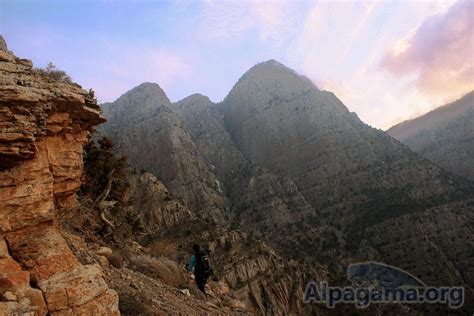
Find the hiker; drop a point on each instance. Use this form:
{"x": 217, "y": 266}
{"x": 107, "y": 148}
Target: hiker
{"x": 201, "y": 263}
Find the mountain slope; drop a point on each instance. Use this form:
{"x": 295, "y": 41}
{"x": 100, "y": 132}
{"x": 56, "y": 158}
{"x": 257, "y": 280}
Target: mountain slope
{"x": 145, "y": 128}
{"x": 444, "y": 136}
{"x": 260, "y": 201}
{"x": 142, "y": 122}
{"x": 362, "y": 181}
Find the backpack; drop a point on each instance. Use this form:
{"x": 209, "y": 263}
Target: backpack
{"x": 203, "y": 263}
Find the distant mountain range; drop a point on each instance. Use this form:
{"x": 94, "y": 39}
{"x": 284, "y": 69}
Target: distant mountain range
{"x": 444, "y": 135}
{"x": 288, "y": 163}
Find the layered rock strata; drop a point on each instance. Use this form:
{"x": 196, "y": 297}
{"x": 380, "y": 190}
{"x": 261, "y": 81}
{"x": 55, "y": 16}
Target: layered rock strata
{"x": 44, "y": 125}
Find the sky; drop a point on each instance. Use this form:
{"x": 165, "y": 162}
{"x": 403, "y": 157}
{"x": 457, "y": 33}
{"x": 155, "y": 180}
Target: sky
{"x": 388, "y": 61}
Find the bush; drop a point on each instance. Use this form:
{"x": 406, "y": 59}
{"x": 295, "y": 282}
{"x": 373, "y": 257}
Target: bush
{"x": 134, "y": 305}
{"x": 158, "y": 268}
{"x": 116, "y": 260}
{"x": 53, "y": 73}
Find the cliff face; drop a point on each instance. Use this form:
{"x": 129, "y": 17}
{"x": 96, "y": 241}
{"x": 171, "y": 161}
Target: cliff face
{"x": 254, "y": 272}
{"x": 44, "y": 125}
{"x": 269, "y": 205}
{"x": 444, "y": 136}
{"x": 156, "y": 205}
{"x": 145, "y": 128}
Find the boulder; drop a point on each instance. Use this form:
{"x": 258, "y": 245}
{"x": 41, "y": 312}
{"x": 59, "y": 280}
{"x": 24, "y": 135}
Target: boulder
{"x": 104, "y": 252}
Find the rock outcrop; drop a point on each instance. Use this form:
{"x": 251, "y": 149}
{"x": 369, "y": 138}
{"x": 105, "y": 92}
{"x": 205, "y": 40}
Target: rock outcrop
{"x": 155, "y": 204}
{"x": 444, "y": 136}
{"x": 44, "y": 124}
{"x": 255, "y": 273}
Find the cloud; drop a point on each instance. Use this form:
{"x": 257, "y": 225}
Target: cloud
{"x": 440, "y": 52}
{"x": 357, "y": 30}
{"x": 271, "y": 20}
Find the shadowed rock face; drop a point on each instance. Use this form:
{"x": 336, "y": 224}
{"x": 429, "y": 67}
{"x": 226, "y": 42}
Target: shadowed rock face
{"x": 145, "y": 128}
{"x": 444, "y": 136}
{"x": 262, "y": 202}
{"x": 44, "y": 126}
{"x": 158, "y": 208}
{"x": 309, "y": 136}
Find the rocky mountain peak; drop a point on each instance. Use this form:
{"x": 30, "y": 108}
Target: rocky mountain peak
{"x": 196, "y": 99}
{"x": 438, "y": 117}
{"x": 144, "y": 98}
{"x": 273, "y": 77}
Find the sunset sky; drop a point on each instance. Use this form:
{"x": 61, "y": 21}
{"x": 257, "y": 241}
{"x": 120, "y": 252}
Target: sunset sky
{"x": 387, "y": 61}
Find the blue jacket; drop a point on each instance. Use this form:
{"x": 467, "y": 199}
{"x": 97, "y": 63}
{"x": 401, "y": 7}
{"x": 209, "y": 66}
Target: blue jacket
{"x": 192, "y": 263}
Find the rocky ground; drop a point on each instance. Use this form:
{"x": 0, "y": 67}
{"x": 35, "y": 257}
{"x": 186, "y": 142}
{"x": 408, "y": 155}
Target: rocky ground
{"x": 141, "y": 294}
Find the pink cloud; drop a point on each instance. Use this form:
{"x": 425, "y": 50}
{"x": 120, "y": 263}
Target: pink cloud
{"x": 440, "y": 52}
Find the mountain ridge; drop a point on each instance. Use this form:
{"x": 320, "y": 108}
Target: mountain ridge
{"x": 296, "y": 168}
{"x": 444, "y": 135}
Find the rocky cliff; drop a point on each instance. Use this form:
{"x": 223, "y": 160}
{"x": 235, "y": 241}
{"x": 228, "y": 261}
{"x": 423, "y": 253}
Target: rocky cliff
{"x": 444, "y": 136}
{"x": 44, "y": 124}
{"x": 187, "y": 199}
{"x": 261, "y": 201}
{"x": 254, "y": 272}
{"x": 151, "y": 135}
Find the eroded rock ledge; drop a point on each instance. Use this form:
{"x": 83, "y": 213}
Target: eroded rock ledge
{"x": 44, "y": 125}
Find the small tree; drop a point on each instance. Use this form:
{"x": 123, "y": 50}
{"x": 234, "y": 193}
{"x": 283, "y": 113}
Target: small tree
{"x": 99, "y": 161}
{"x": 106, "y": 179}
{"x": 91, "y": 95}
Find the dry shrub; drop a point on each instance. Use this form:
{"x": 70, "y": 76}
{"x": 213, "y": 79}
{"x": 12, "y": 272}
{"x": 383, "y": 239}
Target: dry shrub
{"x": 116, "y": 260}
{"x": 81, "y": 218}
{"x": 159, "y": 268}
{"x": 134, "y": 306}
{"x": 53, "y": 73}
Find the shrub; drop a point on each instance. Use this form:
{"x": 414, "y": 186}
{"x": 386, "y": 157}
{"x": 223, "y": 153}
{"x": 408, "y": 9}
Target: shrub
{"x": 135, "y": 305}
{"x": 115, "y": 260}
{"x": 159, "y": 268}
{"x": 53, "y": 73}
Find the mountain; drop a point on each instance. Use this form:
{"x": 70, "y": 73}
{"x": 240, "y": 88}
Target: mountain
{"x": 444, "y": 136}
{"x": 146, "y": 129}
{"x": 186, "y": 202}
{"x": 261, "y": 201}
{"x": 359, "y": 180}
{"x": 296, "y": 169}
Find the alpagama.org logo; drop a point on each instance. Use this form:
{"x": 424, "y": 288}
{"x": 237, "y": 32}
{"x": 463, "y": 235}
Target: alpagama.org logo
{"x": 375, "y": 282}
